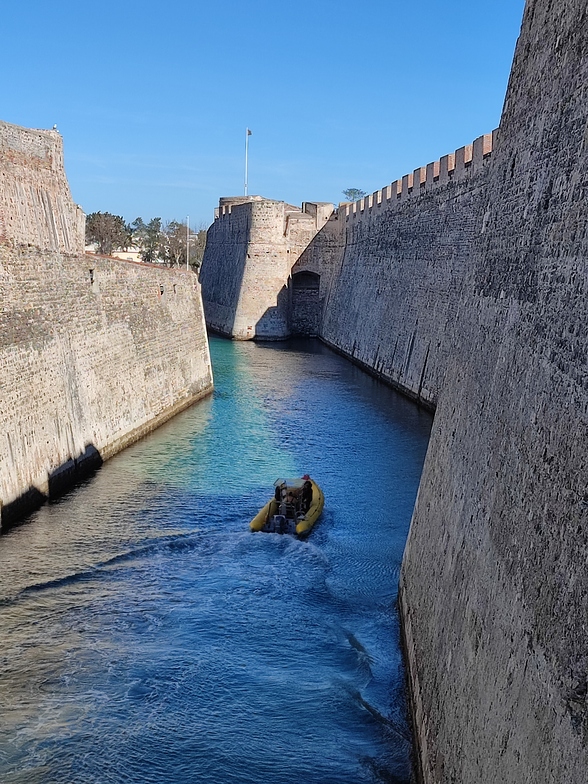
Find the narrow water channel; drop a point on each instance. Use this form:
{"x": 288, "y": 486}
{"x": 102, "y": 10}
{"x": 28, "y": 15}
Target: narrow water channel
{"x": 147, "y": 636}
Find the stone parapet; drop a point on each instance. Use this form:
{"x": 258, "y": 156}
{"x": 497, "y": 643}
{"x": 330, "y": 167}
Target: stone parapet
{"x": 464, "y": 163}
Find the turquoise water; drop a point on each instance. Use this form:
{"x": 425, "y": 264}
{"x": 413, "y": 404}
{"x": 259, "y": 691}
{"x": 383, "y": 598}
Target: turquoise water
{"x": 148, "y": 636}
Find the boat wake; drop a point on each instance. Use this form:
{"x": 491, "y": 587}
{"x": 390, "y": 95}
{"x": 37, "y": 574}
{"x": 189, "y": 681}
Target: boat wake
{"x": 183, "y": 541}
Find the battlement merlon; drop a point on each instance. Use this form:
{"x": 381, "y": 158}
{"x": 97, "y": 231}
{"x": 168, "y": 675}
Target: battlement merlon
{"x": 463, "y": 162}
{"x": 36, "y": 207}
{"x": 315, "y": 213}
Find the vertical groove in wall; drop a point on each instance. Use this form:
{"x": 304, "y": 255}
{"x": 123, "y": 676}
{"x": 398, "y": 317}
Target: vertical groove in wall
{"x": 36, "y": 207}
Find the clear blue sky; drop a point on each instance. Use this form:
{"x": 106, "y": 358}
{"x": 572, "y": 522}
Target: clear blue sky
{"x": 153, "y": 99}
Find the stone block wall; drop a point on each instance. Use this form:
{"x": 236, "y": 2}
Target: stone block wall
{"x": 406, "y": 253}
{"x": 250, "y": 251}
{"x": 494, "y": 582}
{"x": 94, "y": 353}
{"x": 36, "y": 207}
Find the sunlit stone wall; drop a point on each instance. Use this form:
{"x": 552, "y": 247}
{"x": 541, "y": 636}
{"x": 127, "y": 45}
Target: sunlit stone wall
{"x": 250, "y": 251}
{"x": 94, "y": 353}
{"x": 36, "y": 207}
{"x": 494, "y": 582}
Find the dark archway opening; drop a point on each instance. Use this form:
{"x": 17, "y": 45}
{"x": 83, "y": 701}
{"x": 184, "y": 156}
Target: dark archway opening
{"x": 306, "y": 304}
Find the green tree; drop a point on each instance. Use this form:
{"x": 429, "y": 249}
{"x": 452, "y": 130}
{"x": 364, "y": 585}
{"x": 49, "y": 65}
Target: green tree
{"x": 173, "y": 243}
{"x": 354, "y": 194}
{"x": 109, "y": 232}
{"x": 148, "y": 237}
{"x": 197, "y": 246}
{"x": 175, "y": 237}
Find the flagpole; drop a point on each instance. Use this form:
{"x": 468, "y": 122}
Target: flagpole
{"x": 247, "y": 135}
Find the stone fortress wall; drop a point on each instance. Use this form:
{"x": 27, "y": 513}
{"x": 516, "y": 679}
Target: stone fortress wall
{"x": 494, "y": 581}
{"x": 94, "y": 352}
{"x": 405, "y": 254}
{"x": 36, "y": 207}
{"x": 250, "y": 251}
{"x": 470, "y": 293}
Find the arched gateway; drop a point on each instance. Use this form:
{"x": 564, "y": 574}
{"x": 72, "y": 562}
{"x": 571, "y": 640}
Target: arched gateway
{"x": 306, "y": 303}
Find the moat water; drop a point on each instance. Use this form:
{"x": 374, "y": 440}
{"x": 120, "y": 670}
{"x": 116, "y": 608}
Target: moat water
{"x": 147, "y": 636}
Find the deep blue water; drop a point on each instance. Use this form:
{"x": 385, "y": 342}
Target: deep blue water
{"x": 147, "y": 636}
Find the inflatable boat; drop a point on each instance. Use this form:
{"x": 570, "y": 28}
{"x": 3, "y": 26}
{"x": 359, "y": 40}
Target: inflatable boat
{"x": 296, "y": 506}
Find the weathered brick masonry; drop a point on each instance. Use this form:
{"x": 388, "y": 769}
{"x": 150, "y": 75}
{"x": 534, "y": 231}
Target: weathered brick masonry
{"x": 94, "y": 352}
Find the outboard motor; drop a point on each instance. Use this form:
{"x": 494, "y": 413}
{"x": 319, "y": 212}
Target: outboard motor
{"x": 277, "y": 524}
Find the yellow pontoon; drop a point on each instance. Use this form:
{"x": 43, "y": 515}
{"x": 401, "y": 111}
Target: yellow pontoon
{"x": 296, "y": 506}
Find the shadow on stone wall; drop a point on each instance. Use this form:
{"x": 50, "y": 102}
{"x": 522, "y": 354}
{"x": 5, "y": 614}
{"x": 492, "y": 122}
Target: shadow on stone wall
{"x": 306, "y": 304}
{"x": 223, "y": 269}
{"x": 274, "y": 324}
{"x": 62, "y": 479}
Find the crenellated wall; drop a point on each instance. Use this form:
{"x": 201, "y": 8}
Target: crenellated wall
{"x": 36, "y": 207}
{"x": 459, "y": 166}
{"x": 406, "y": 252}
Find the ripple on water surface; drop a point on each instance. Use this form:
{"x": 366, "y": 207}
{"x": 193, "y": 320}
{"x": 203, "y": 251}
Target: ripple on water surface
{"x": 149, "y": 637}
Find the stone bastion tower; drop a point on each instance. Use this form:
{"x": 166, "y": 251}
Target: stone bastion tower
{"x": 260, "y": 278}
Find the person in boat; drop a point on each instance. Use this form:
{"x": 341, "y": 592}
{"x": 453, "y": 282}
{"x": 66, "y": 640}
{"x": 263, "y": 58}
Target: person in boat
{"x": 306, "y": 495}
{"x": 291, "y": 504}
{"x": 280, "y": 494}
